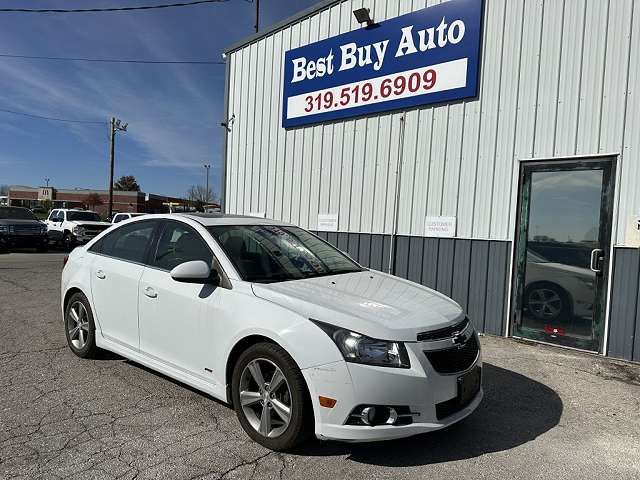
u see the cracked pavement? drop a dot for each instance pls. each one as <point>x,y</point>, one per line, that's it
<point>547,413</point>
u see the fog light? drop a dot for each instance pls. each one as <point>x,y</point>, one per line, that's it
<point>368,415</point>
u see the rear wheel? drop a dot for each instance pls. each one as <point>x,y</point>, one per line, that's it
<point>270,397</point>
<point>67,242</point>
<point>79,326</point>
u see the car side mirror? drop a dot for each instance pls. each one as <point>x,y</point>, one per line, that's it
<point>196,271</point>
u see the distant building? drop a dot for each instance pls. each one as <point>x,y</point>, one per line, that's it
<point>138,202</point>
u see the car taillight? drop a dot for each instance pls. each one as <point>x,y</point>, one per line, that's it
<point>65,260</point>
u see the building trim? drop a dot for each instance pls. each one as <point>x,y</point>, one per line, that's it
<point>225,140</point>
<point>287,22</point>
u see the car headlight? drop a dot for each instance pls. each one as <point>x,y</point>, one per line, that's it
<point>358,348</point>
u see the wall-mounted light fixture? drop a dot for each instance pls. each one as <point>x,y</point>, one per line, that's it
<point>363,15</point>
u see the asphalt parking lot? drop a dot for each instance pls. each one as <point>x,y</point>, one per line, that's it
<point>547,413</point>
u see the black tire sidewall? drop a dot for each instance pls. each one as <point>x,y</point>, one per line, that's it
<point>301,424</point>
<point>89,349</point>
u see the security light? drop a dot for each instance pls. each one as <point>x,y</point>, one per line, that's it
<point>363,15</point>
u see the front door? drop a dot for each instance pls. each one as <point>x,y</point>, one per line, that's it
<point>562,251</point>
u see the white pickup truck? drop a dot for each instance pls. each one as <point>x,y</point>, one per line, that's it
<point>74,227</point>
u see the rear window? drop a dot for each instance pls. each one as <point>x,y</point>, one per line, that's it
<point>83,216</point>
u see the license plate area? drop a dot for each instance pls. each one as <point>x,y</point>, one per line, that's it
<point>469,385</point>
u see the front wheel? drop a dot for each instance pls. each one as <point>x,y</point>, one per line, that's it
<point>270,397</point>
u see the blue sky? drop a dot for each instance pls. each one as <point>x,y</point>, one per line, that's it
<point>174,111</point>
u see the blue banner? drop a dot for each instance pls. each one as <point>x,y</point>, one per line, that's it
<point>425,57</point>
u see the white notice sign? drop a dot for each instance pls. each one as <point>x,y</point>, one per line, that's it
<point>258,214</point>
<point>440,227</point>
<point>328,222</point>
<point>633,231</point>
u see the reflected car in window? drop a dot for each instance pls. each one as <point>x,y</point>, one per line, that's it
<point>294,334</point>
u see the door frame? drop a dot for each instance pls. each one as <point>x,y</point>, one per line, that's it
<point>614,159</point>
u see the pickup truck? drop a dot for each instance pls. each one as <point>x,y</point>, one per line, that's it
<point>74,227</point>
<point>20,228</point>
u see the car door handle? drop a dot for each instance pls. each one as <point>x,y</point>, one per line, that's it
<point>100,274</point>
<point>597,255</point>
<point>150,292</point>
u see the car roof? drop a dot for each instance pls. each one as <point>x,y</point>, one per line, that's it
<point>211,219</point>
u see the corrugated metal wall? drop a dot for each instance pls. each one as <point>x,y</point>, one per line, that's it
<point>558,77</point>
<point>624,335</point>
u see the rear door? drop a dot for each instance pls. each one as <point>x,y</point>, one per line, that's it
<point>115,274</point>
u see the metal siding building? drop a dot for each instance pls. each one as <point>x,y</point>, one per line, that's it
<point>558,78</point>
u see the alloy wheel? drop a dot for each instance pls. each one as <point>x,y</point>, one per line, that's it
<point>266,404</point>
<point>545,303</point>
<point>78,325</point>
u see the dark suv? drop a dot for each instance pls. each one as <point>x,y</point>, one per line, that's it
<point>20,228</point>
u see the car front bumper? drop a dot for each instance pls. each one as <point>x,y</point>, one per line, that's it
<point>23,240</point>
<point>420,388</point>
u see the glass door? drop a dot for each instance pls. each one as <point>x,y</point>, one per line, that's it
<point>562,248</point>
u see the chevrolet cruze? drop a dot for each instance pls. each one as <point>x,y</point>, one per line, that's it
<point>268,317</point>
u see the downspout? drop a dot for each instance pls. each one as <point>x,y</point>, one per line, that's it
<point>223,188</point>
<point>396,209</point>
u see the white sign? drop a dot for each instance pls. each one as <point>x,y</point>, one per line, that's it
<point>633,231</point>
<point>258,214</point>
<point>328,222</point>
<point>440,227</point>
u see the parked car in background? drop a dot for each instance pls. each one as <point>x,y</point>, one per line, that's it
<point>274,320</point>
<point>20,228</point>
<point>70,227</point>
<point>119,217</point>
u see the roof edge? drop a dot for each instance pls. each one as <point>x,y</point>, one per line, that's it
<point>308,12</point>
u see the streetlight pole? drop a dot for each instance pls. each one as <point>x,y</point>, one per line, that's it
<point>115,126</point>
<point>207,167</point>
<point>47,181</point>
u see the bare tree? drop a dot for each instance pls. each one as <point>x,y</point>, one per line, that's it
<point>4,190</point>
<point>92,201</point>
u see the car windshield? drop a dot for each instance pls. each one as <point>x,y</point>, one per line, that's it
<point>16,214</point>
<point>272,253</point>
<point>83,216</point>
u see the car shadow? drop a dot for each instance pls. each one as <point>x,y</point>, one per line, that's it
<point>515,410</point>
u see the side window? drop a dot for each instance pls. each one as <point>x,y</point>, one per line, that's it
<point>128,242</point>
<point>179,243</point>
<point>118,218</point>
<point>53,216</point>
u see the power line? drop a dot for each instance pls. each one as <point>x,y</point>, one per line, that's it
<point>113,60</point>
<point>54,119</point>
<point>109,9</point>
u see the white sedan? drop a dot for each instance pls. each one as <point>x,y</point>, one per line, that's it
<point>266,316</point>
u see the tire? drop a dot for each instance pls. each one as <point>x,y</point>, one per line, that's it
<point>79,327</point>
<point>549,302</point>
<point>67,242</point>
<point>291,393</point>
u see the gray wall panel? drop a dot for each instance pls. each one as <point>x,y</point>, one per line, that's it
<point>364,250</point>
<point>623,318</point>
<point>496,288</point>
<point>461,268</point>
<point>377,247</point>
<point>402,256</point>
<point>446,248</point>
<point>416,245</point>
<point>478,282</point>
<point>353,245</point>
<point>430,262</point>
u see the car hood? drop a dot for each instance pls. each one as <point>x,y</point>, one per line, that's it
<point>15,221</point>
<point>368,302</point>
<point>87,223</point>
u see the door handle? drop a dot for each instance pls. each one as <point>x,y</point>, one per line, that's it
<point>597,254</point>
<point>150,292</point>
<point>100,274</point>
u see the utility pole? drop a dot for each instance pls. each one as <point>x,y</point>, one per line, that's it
<point>115,126</point>
<point>47,181</point>
<point>207,167</point>
<point>257,25</point>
